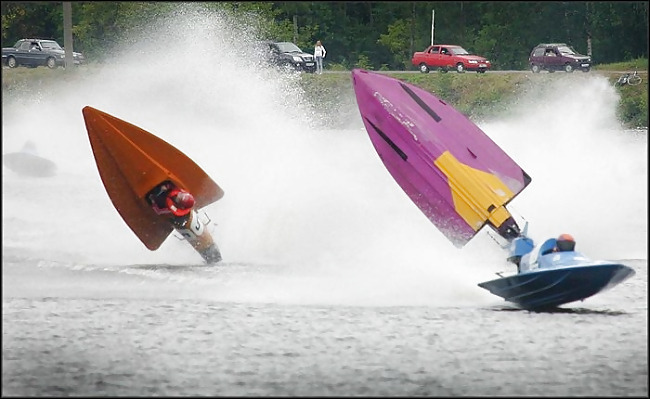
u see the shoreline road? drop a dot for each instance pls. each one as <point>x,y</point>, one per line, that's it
<point>496,72</point>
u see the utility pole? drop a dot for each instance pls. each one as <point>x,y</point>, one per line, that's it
<point>67,34</point>
<point>412,46</point>
<point>295,28</point>
<point>433,16</point>
<point>588,27</point>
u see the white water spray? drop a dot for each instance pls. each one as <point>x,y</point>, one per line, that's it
<point>317,202</point>
<point>590,176</point>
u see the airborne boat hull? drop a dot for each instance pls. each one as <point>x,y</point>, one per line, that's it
<point>454,173</point>
<point>131,162</point>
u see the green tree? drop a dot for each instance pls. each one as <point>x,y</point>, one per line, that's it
<point>387,33</point>
<point>397,41</point>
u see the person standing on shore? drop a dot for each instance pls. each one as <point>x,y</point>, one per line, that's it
<point>319,54</point>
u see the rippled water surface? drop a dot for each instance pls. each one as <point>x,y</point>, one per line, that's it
<point>82,343</point>
<point>123,347</point>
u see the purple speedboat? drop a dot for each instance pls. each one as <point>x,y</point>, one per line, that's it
<point>453,172</point>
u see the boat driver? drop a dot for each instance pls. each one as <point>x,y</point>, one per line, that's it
<point>564,242</point>
<point>166,198</point>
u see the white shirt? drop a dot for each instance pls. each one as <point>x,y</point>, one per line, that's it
<point>319,51</point>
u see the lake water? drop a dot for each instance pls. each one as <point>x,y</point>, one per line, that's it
<point>76,330</point>
<point>333,282</point>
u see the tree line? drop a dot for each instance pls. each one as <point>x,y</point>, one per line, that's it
<point>369,34</point>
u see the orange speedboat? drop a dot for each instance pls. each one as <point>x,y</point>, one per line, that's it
<point>131,162</point>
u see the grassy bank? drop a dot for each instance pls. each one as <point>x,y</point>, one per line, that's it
<point>31,77</point>
<point>476,95</point>
<point>491,95</point>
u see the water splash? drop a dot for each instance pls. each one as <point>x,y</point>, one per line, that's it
<point>317,203</point>
<point>589,174</point>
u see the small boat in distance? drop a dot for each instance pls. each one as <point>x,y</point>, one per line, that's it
<point>27,162</point>
<point>462,181</point>
<point>131,163</point>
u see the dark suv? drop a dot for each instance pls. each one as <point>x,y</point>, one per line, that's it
<point>287,54</point>
<point>557,57</point>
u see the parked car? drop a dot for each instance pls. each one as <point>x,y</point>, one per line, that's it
<point>287,54</point>
<point>445,57</point>
<point>557,57</point>
<point>37,52</point>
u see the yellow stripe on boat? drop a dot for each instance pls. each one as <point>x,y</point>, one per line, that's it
<point>478,196</point>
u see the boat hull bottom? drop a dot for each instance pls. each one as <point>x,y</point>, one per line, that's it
<point>550,288</point>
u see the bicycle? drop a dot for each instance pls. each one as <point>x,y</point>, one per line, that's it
<point>629,79</point>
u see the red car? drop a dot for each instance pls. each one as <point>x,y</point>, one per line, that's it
<point>446,57</point>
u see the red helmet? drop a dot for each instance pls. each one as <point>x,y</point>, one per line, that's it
<point>566,237</point>
<point>184,200</point>
<point>565,242</point>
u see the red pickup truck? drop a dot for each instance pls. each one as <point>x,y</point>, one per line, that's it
<point>446,57</point>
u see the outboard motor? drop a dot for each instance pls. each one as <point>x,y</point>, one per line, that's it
<point>509,229</point>
<point>519,247</point>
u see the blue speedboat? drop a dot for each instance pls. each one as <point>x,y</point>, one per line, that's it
<point>548,279</point>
